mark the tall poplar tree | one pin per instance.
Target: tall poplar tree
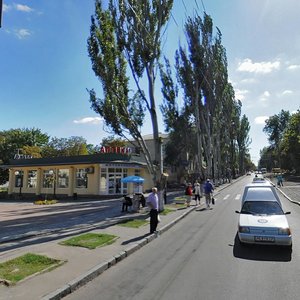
(127, 35)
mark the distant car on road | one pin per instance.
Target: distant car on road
(258, 178)
(262, 219)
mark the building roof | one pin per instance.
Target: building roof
(73, 160)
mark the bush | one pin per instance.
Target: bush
(45, 202)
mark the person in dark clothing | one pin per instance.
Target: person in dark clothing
(152, 202)
(126, 203)
(208, 190)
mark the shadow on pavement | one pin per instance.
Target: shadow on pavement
(261, 252)
(136, 239)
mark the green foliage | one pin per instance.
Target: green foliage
(284, 138)
(113, 142)
(275, 127)
(290, 143)
(211, 116)
(24, 141)
(65, 147)
(128, 35)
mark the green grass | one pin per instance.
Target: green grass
(134, 223)
(14, 270)
(166, 211)
(90, 240)
(176, 205)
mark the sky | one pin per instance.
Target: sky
(45, 69)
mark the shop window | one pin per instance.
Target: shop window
(19, 179)
(63, 178)
(32, 179)
(103, 181)
(137, 172)
(48, 179)
(81, 178)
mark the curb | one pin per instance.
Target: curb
(286, 196)
(99, 269)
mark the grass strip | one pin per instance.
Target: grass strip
(90, 240)
(17, 269)
(133, 223)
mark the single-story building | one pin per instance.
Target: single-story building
(86, 175)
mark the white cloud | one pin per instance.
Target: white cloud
(22, 33)
(248, 80)
(23, 8)
(265, 96)
(260, 67)
(286, 92)
(240, 94)
(260, 120)
(88, 120)
(293, 67)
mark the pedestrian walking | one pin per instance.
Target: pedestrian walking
(279, 180)
(197, 192)
(189, 194)
(208, 190)
(152, 202)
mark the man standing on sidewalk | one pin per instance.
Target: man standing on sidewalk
(208, 189)
(152, 202)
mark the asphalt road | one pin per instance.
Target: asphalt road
(200, 258)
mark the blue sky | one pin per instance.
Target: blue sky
(45, 69)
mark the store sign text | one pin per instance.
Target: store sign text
(22, 156)
(122, 150)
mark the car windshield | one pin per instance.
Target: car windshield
(261, 208)
(260, 193)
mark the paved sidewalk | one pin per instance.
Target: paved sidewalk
(82, 265)
(290, 190)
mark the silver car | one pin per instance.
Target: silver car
(260, 191)
(263, 221)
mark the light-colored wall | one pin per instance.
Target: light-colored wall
(93, 180)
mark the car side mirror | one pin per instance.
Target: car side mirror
(288, 213)
(237, 211)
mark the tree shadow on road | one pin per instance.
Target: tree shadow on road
(261, 252)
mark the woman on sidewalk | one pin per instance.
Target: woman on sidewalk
(197, 192)
(189, 194)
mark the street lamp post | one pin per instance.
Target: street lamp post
(19, 182)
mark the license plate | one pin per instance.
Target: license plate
(267, 239)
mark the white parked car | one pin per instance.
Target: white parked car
(262, 219)
(260, 190)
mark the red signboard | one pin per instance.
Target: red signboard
(121, 150)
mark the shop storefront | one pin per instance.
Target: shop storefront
(87, 175)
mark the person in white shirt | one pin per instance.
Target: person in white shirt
(152, 202)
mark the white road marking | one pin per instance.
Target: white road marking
(226, 197)
(238, 196)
